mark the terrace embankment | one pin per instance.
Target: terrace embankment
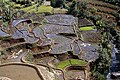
(79, 72)
(105, 10)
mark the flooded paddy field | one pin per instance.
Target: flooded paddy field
(19, 72)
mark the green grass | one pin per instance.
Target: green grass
(29, 58)
(41, 9)
(58, 10)
(27, 9)
(45, 8)
(18, 6)
(87, 28)
(66, 63)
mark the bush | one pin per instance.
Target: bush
(57, 3)
(23, 2)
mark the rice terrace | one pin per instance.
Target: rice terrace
(59, 39)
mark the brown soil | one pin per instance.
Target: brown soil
(102, 3)
(43, 60)
(103, 8)
(75, 75)
(107, 17)
(19, 72)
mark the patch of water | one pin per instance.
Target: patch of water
(3, 34)
(61, 19)
(56, 29)
(16, 22)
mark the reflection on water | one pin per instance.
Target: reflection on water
(3, 34)
(16, 22)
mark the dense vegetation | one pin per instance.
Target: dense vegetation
(58, 3)
(109, 35)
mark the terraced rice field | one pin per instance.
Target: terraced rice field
(75, 74)
(101, 3)
(45, 41)
(66, 63)
(106, 10)
(106, 16)
(19, 72)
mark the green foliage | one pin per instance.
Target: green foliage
(29, 8)
(23, 2)
(73, 9)
(8, 13)
(40, 9)
(78, 8)
(30, 57)
(99, 76)
(57, 3)
(93, 10)
(105, 51)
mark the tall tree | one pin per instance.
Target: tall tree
(78, 8)
(8, 13)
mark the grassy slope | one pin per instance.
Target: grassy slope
(104, 9)
(29, 8)
(45, 8)
(41, 9)
(87, 28)
(66, 63)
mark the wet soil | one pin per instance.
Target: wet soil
(19, 72)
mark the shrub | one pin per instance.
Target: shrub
(57, 3)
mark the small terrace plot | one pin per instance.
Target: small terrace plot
(74, 69)
(39, 32)
(62, 44)
(101, 3)
(91, 36)
(75, 75)
(16, 22)
(41, 9)
(6, 43)
(69, 62)
(85, 25)
(106, 17)
(24, 34)
(56, 29)
(85, 51)
(60, 19)
(58, 39)
(61, 48)
(89, 53)
(84, 22)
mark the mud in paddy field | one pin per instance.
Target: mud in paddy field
(19, 72)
